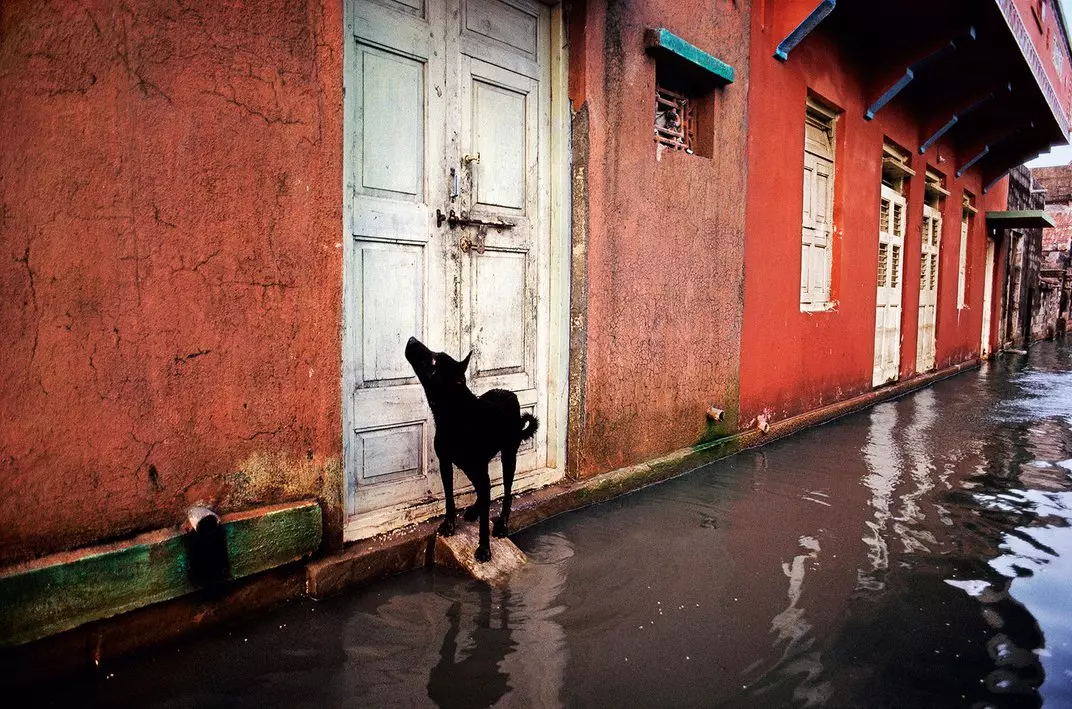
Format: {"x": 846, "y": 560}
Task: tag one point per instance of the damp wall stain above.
{"x": 663, "y": 240}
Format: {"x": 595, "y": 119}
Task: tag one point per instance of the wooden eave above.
{"x": 1020, "y": 219}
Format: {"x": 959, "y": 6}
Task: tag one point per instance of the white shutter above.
{"x": 817, "y": 219}
{"x": 817, "y": 225}
{"x": 962, "y": 275}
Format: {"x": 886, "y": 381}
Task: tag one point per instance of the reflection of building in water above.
{"x": 917, "y": 443}
{"x": 537, "y": 667}
{"x": 460, "y": 643}
{"x": 512, "y": 651}
{"x": 793, "y": 629}
{"x": 883, "y": 458}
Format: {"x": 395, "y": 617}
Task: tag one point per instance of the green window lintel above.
{"x": 662, "y": 42}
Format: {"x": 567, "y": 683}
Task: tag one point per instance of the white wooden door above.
{"x": 447, "y": 113}
{"x": 891, "y": 233}
{"x": 988, "y": 297}
{"x": 928, "y": 288}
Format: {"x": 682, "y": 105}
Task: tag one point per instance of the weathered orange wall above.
{"x": 170, "y": 214}
{"x": 793, "y": 361}
{"x": 664, "y": 238}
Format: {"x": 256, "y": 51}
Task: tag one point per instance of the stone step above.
{"x": 458, "y": 552}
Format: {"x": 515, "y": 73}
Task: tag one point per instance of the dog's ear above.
{"x": 464, "y": 364}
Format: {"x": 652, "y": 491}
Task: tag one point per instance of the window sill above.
{"x": 828, "y": 307}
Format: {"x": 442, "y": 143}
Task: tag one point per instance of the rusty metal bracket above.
{"x": 453, "y": 220}
{"x": 466, "y": 244}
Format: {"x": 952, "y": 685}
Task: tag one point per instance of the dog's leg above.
{"x": 482, "y": 483}
{"x": 446, "y": 473}
{"x": 509, "y": 465}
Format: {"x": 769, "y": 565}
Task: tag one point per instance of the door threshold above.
{"x": 390, "y": 519}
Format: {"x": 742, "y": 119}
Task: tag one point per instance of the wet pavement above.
{"x": 915, "y": 554}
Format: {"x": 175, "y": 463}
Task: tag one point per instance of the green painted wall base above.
{"x": 63, "y": 591}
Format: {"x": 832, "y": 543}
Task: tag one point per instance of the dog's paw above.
{"x": 446, "y": 528}
{"x": 499, "y": 528}
{"x": 483, "y": 554}
{"x": 472, "y": 513}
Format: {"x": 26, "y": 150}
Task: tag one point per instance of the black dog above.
{"x": 470, "y": 430}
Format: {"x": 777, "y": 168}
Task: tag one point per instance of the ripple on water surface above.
{"x": 915, "y": 554}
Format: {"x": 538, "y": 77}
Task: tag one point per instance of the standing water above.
{"x": 915, "y": 554}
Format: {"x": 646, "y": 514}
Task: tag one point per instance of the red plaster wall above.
{"x": 170, "y": 211}
{"x": 791, "y": 361}
{"x": 664, "y": 238}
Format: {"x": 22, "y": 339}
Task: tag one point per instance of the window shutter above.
{"x": 962, "y": 275}
{"x": 817, "y": 218}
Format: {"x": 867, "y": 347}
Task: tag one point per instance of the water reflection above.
{"x": 916, "y": 554}
{"x": 884, "y": 464}
{"x": 476, "y": 678}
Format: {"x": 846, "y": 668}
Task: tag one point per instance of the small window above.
{"x": 675, "y": 120}
{"x": 684, "y": 114}
{"x": 817, "y": 220}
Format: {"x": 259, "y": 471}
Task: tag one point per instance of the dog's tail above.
{"x": 529, "y": 424}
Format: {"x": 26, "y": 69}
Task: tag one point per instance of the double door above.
{"x": 447, "y": 112}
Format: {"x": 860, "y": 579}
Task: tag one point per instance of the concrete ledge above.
{"x": 90, "y": 647}
{"x": 63, "y": 591}
{"x": 411, "y": 548}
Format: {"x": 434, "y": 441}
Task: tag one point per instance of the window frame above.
{"x": 812, "y": 233}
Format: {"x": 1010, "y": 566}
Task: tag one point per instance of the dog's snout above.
{"x": 412, "y": 340}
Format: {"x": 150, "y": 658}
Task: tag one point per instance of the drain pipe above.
{"x": 202, "y": 520}
{"x": 716, "y": 414}
{"x": 763, "y": 424}
{"x": 207, "y": 559}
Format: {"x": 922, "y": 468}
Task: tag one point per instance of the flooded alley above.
{"x": 915, "y": 554}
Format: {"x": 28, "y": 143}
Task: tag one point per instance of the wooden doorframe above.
{"x": 559, "y": 252}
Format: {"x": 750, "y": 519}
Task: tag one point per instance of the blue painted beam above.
{"x": 962, "y": 114}
{"x": 824, "y": 8}
{"x": 914, "y": 69}
{"x": 967, "y": 166}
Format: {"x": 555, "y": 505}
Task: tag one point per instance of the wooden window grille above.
{"x": 883, "y": 262}
{"x": 934, "y": 271}
{"x": 895, "y": 273}
{"x": 884, "y": 217}
{"x": 675, "y": 119}
{"x": 897, "y": 217}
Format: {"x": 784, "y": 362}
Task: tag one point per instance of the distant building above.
{"x": 1055, "y": 276}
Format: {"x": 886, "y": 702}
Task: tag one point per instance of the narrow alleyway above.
{"x": 915, "y": 554}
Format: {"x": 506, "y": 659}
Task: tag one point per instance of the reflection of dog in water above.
{"x": 475, "y": 680}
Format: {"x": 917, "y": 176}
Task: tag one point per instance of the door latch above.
{"x": 453, "y": 220}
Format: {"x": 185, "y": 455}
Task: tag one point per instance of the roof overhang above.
{"x": 1020, "y": 219}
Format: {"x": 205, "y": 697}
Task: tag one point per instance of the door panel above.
{"x": 988, "y": 296}
{"x": 928, "y": 289}
{"x": 889, "y": 276}
{"x": 501, "y": 122}
{"x": 392, "y": 151}
{"x": 394, "y": 263}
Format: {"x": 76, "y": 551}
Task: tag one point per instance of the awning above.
{"x": 1022, "y": 219}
